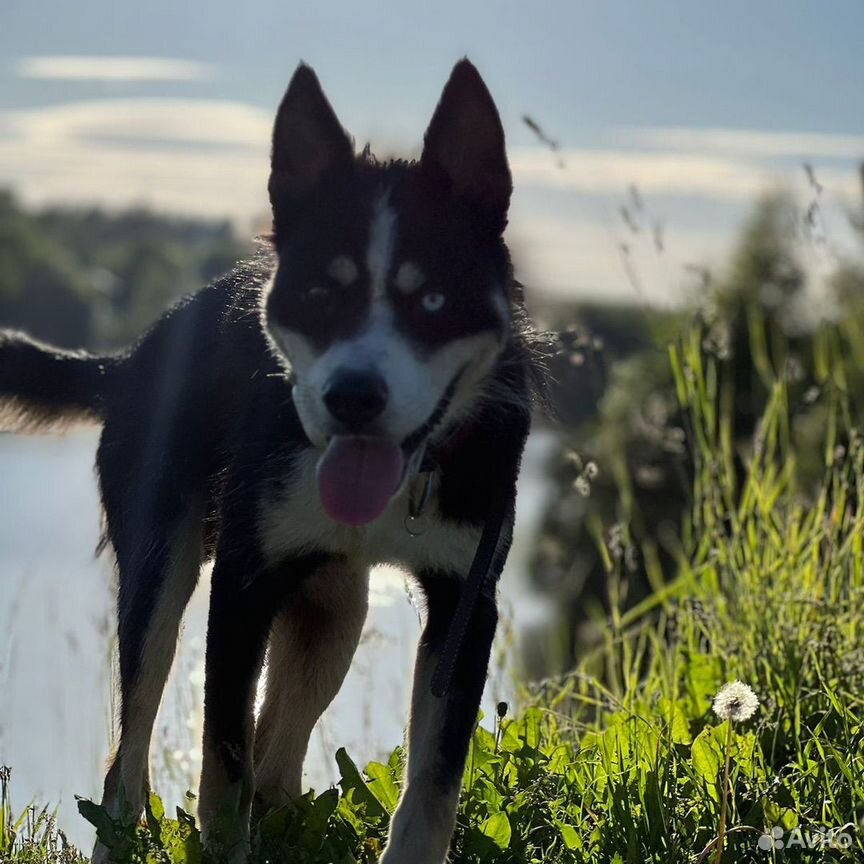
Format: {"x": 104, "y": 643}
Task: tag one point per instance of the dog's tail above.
{"x": 43, "y": 389}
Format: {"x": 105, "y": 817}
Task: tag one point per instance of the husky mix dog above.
{"x": 358, "y": 394}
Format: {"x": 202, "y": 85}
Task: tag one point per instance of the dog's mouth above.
{"x": 358, "y": 475}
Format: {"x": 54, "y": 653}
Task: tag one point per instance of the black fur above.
{"x": 41, "y": 386}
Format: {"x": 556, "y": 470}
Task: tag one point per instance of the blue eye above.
{"x": 432, "y": 301}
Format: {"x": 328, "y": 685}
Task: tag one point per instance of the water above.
{"x": 56, "y": 634}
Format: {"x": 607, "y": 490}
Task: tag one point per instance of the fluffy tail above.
{"x": 43, "y": 388}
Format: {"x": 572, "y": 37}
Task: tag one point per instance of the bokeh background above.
{"x": 671, "y": 161}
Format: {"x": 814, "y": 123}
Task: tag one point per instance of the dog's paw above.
{"x": 412, "y": 850}
{"x": 392, "y": 856}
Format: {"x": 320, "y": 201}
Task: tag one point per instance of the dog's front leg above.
{"x": 246, "y": 595}
{"x": 440, "y": 728}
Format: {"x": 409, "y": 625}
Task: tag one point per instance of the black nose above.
{"x": 355, "y": 398}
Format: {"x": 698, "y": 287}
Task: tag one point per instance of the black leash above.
{"x": 442, "y": 677}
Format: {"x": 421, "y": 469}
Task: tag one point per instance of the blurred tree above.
{"x": 96, "y": 279}
{"x": 41, "y": 289}
{"x": 625, "y": 424}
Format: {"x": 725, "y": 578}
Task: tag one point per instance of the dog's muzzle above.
{"x": 358, "y": 474}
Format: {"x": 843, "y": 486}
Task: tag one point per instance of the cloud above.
{"x": 81, "y": 68}
{"x": 749, "y": 143}
{"x": 196, "y": 157}
{"x": 686, "y": 174}
{"x": 102, "y": 123}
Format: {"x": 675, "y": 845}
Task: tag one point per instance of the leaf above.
{"x": 510, "y": 740}
{"x": 487, "y": 792}
{"x": 497, "y": 829}
{"x": 532, "y": 727}
{"x": 352, "y": 780}
{"x": 383, "y": 785}
{"x": 707, "y": 758}
{"x": 322, "y": 808}
{"x": 570, "y": 836}
{"x": 679, "y": 728}
{"x": 775, "y": 814}
{"x": 154, "y": 811}
{"x": 157, "y": 808}
{"x": 98, "y": 817}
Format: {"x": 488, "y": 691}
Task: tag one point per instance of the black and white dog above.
{"x": 292, "y": 420}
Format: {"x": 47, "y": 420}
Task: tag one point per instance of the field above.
{"x": 628, "y": 758}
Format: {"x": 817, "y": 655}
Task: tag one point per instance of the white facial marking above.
{"x": 382, "y": 239}
{"x": 409, "y": 277}
{"x": 343, "y": 270}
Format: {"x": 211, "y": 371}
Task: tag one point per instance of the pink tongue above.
{"x": 357, "y": 477}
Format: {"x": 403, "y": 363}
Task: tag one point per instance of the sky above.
{"x": 697, "y": 107}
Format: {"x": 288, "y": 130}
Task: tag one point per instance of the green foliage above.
{"x": 752, "y": 318}
{"x": 32, "y": 837}
{"x": 93, "y": 279}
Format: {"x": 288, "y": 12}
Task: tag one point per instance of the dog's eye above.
{"x": 432, "y": 301}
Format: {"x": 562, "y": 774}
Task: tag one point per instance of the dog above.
{"x": 358, "y": 393}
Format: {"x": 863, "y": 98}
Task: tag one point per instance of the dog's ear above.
{"x": 463, "y": 149}
{"x": 308, "y": 141}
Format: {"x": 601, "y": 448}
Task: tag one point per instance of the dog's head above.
{"x": 391, "y": 297}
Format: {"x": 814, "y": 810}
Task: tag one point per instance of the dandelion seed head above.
{"x": 574, "y": 459}
{"x": 582, "y": 486}
{"x": 736, "y": 701}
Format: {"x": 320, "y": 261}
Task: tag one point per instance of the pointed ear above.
{"x": 308, "y": 141}
{"x": 463, "y": 149}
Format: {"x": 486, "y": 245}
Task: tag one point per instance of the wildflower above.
{"x": 736, "y": 702}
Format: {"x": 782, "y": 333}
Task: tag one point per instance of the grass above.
{"x": 623, "y": 759}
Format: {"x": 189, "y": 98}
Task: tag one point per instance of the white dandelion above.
{"x": 736, "y": 702}
{"x": 582, "y": 486}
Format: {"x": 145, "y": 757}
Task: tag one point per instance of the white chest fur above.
{"x": 293, "y": 522}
